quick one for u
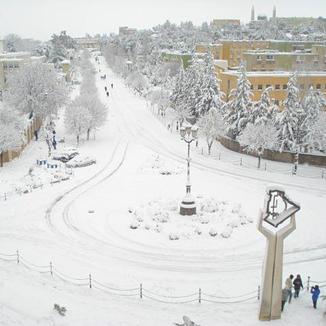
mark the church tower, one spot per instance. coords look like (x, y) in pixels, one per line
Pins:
(274, 12)
(252, 13)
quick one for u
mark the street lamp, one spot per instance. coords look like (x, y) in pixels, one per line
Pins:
(188, 207)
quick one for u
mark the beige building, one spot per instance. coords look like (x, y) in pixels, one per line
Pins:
(87, 43)
(276, 79)
(214, 49)
(233, 51)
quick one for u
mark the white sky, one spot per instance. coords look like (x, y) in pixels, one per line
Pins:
(41, 18)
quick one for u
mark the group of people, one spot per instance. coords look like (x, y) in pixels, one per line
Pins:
(297, 285)
(106, 90)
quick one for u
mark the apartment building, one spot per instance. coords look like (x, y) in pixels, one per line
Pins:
(260, 80)
(214, 49)
(87, 43)
(273, 60)
(233, 50)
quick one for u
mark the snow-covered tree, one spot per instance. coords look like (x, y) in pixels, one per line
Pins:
(35, 88)
(257, 137)
(288, 121)
(60, 44)
(312, 105)
(11, 129)
(178, 98)
(137, 81)
(264, 110)
(210, 95)
(97, 111)
(318, 134)
(211, 126)
(237, 110)
(76, 120)
(13, 43)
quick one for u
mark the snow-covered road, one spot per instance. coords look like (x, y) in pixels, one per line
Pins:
(82, 227)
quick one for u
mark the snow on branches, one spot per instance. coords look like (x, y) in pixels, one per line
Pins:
(86, 112)
(211, 126)
(36, 88)
(257, 138)
(11, 129)
(238, 109)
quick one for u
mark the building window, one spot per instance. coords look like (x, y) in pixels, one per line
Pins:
(229, 84)
(258, 57)
(277, 86)
(285, 86)
(251, 87)
(277, 102)
(268, 85)
(318, 86)
(302, 86)
(270, 57)
(260, 86)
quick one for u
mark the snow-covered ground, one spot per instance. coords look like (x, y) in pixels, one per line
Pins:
(82, 227)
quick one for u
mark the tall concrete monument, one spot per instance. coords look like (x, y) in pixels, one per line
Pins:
(276, 222)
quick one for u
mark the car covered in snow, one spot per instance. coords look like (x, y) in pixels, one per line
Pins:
(65, 155)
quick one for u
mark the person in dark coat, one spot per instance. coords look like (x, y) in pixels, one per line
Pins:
(105, 88)
(297, 284)
(315, 295)
(112, 85)
(107, 94)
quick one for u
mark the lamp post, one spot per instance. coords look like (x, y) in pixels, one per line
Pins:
(188, 207)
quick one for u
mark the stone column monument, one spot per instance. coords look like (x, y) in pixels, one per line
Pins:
(278, 209)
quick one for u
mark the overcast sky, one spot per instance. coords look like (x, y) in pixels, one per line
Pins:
(41, 18)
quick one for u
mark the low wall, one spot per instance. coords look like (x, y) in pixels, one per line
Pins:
(287, 157)
(9, 155)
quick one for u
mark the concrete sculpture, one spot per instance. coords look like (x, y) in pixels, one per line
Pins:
(278, 209)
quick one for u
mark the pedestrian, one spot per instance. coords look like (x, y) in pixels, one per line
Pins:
(297, 284)
(315, 295)
(54, 143)
(105, 88)
(107, 94)
(111, 85)
(288, 286)
(285, 295)
(177, 126)
(36, 134)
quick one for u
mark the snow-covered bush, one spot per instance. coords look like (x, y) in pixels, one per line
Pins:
(227, 231)
(174, 236)
(213, 232)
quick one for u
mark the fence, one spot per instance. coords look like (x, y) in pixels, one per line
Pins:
(276, 162)
(313, 173)
(140, 291)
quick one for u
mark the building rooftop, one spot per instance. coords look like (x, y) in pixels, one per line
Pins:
(275, 73)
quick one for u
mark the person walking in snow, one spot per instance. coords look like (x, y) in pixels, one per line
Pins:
(285, 295)
(105, 88)
(111, 85)
(297, 284)
(315, 295)
(107, 94)
(288, 286)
